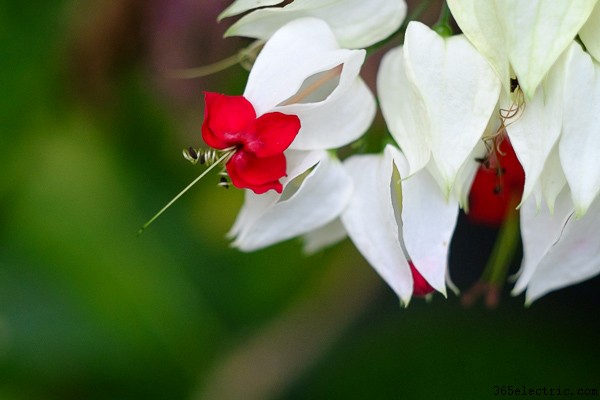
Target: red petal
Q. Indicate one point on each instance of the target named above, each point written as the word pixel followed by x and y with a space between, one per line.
pixel 258 174
pixel 421 287
pixel 494 195
pixel 274 132
pixel 224 118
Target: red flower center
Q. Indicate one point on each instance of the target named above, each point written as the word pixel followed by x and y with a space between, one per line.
pixel 257 162
pixel 498 185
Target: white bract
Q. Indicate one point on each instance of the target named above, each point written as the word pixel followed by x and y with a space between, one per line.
pixel 526 37
pixel 298 51
pixel 355 23
pixel 437 96
pixel 590 33
pixel 392 221
pixel 559 249
pixel 563 113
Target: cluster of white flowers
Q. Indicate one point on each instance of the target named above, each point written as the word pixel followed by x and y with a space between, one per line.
pixel 520 69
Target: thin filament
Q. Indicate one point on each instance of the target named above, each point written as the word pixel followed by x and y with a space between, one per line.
pixel 147 224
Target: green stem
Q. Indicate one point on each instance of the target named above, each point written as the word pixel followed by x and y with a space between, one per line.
pixel 442 26
pixel 504 251
pixel 205 70
pixel 147 224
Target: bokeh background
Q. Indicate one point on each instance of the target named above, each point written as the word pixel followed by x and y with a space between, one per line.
pixel 91 128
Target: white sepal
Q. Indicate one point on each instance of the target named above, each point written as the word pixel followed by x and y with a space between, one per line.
pixel 371 223
pixel 321 197
pixel 459 91
pixel 356 23
pixel 579 146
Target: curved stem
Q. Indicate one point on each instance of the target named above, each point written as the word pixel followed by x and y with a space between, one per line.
pixel 205 70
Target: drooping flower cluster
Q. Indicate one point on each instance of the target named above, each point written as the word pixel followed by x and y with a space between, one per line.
pixel 494 120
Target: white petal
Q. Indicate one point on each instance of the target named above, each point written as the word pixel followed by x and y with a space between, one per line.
pixel 574 258
pixel 479 21
pixel 466 176
pixel 428 224
pixel 371 223
pixel 534 132
pixel 537 32
pixel 295 52
pixel 533 33
pixel 404 112
pixel 356 23
pixel 540 230
pixel 552 179
pixel 241 6
pixel 339 119
pixel 255 205
pixel 459 90
pixel 579 146
pixel 320 198
pixel 324 236
pixel 590 33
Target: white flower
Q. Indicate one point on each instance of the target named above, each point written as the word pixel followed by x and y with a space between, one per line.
pixel 559 249
pixel 437 96
pixel 296 52
pixel 525 36
pixel 590 33
pixel 392 222
pixel 270 218
pixel 355 23
pixel 557 137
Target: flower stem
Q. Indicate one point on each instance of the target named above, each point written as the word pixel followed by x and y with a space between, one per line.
pixel 244 55
pixel 504 251
pixel 205 70
pixel 442 26
pixel 151 220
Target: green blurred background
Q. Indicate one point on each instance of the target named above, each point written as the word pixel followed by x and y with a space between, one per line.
pixel 91 132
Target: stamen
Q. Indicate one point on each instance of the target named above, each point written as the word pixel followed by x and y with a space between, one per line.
pixel 224 182
pixel 207 156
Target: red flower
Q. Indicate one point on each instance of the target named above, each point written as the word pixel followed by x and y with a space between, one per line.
pixel 257 161
pixel 421 287
pixel 497 187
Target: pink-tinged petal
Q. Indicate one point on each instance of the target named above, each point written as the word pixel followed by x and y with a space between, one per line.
pixel 273 134
pixel 225 118
pixel 421 287
pixel 258 174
